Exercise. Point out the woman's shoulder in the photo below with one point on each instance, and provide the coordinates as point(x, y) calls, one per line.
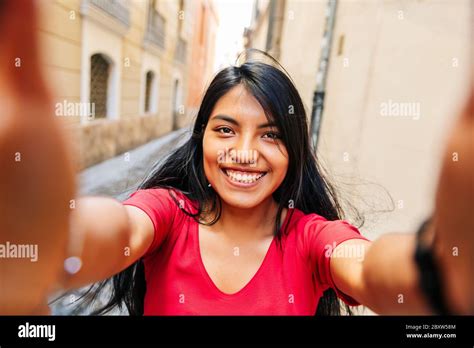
point(311, 223)
point(298, 218)
point(161, 199)
point(314, 234)
point(162, 193)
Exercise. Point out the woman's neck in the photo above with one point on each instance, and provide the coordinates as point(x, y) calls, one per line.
point(248, 224)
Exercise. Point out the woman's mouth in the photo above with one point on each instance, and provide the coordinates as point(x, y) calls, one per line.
point(243, 178)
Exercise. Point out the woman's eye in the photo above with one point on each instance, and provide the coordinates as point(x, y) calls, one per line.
point(272, 135)
point(224, 130)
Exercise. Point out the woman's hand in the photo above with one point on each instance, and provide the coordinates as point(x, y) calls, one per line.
point(36, 175)
point(387, 280)
point(454, 214)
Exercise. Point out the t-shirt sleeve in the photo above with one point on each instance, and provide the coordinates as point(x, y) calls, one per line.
point(160, 208)
point(320, 237)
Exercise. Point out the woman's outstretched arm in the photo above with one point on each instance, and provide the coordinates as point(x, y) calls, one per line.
point(386, 279)
point(37, 184)
point(108, 237)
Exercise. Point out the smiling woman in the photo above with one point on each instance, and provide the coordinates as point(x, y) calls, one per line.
point(245, 131)
point(237, 221)
point(240, 221)
point(237, 196)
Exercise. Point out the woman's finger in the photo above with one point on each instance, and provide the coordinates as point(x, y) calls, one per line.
point(20, 74)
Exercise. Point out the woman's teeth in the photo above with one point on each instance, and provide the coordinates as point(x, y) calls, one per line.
point(243, 177)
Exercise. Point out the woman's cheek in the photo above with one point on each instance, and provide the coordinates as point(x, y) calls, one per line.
point(276, 162)
point(212, 148)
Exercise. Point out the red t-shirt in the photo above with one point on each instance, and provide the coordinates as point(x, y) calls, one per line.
point(290, 280)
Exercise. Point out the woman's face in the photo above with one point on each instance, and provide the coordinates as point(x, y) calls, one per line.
point(245, 160)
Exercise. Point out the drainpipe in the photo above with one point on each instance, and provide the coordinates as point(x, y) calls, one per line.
point(321, 76)
point(271, 25)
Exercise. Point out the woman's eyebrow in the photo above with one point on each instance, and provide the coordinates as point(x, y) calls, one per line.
point(235, 122)
point(226, 118)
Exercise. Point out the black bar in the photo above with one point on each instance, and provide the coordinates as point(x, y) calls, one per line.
point(136, 331)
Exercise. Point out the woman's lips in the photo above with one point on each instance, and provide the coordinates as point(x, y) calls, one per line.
point(241, 178)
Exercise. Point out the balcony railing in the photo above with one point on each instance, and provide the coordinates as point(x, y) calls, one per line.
point(118, 9)
point(180, 53)
point(155, 32)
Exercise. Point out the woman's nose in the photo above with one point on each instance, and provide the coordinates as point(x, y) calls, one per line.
point(245, 151)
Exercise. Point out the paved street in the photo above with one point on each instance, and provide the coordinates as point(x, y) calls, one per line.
point(119, 176)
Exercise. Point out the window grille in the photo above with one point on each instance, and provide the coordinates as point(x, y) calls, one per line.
point(148, 90)
point(99, 84)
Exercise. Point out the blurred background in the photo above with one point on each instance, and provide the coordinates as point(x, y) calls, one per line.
point(382, 82)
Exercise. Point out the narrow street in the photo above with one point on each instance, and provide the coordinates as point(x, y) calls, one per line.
point(119, 176)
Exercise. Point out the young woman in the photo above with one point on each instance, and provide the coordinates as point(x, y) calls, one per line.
point(239, 220)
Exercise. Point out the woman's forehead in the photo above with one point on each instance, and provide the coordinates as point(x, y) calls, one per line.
point(238, 103)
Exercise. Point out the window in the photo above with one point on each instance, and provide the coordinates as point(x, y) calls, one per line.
point(99, 83)
point(149, 84)
point(155, 32)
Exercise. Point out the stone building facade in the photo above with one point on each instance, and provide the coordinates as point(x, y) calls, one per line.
point(120, 70)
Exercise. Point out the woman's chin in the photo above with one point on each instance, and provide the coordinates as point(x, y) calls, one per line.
point(241, 200)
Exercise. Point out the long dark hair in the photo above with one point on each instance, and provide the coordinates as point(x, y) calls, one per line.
point(304, 186)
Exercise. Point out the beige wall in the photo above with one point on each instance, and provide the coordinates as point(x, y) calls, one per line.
point(418, 55)
point(260, 26)
point(402, 60)
point(203, 50)
point(60, 34)
point(300, 44)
